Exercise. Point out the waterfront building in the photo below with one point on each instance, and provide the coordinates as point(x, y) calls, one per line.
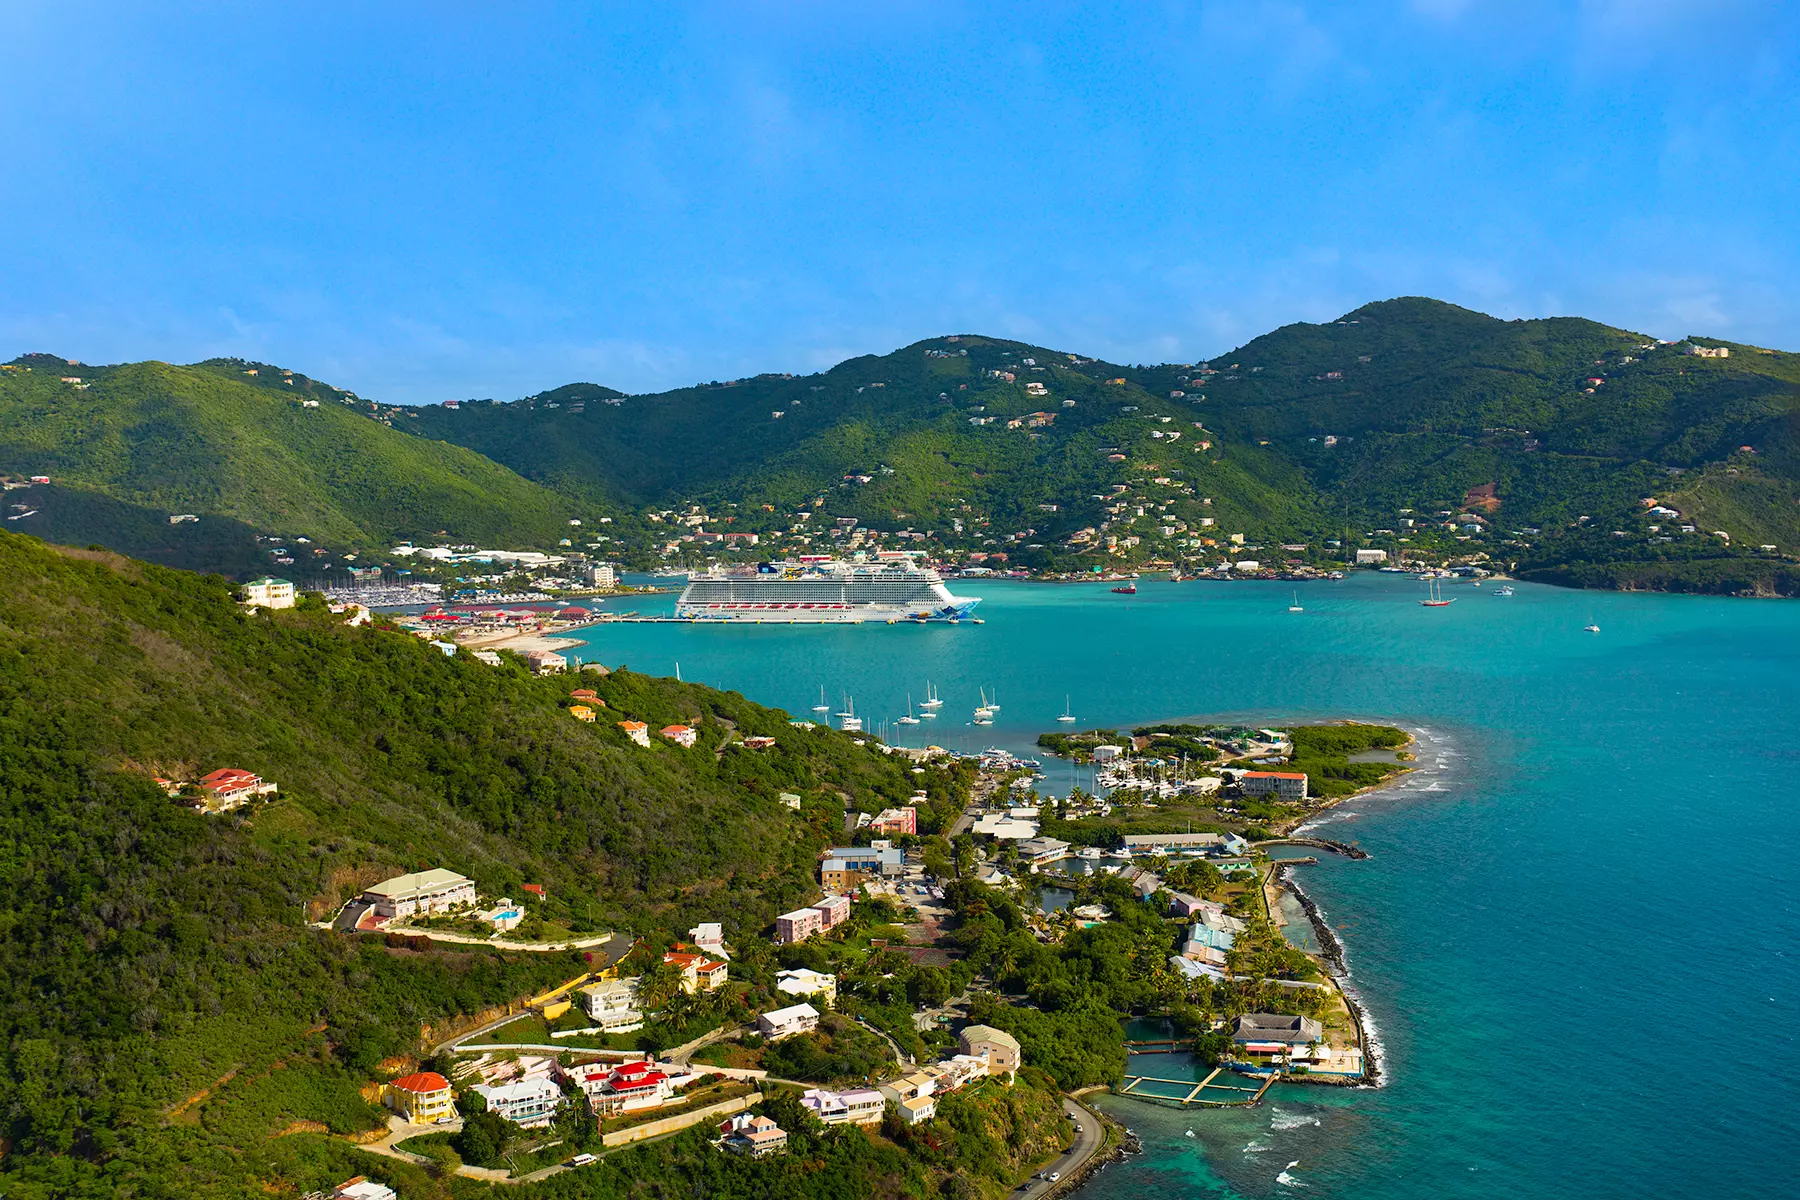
point(1268, 1028)
point(1287, 786)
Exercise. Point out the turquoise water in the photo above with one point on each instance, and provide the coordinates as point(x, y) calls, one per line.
point(1578, 935)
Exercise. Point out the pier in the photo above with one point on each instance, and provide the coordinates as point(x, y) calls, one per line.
point(1195, 1092)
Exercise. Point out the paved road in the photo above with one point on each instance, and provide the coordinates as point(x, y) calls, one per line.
point(1086, 1142)
point(900, 1056)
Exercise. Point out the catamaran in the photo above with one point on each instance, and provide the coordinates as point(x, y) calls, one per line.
point(931, 697)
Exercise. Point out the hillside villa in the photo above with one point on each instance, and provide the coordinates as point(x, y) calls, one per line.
point(785, 1022)
point(423, 1098)
point(803, 981)
point(529, 1103)
point(998, 1048)
point(613, 1005)
point(757, 1137)
point(436, 890)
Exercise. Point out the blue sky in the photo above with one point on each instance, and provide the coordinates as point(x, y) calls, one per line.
point(438, 200)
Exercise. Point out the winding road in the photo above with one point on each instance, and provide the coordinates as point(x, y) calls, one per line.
point(1087, 1141)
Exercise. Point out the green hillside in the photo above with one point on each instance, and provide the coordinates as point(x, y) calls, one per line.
point(1372, 430)
point(167, 1014)
point(218, 442)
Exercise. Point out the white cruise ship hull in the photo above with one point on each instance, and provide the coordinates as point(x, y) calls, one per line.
point(815, 600)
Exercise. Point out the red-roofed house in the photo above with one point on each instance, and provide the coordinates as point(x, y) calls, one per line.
point(230, 787)
point(1289, 786)
point(631, 1087)
point(423, 1098)
point(680, 734)
point(536, 889)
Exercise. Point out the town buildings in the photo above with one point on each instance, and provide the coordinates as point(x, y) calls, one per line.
point(896, 820)
point(436, 890)
point(802, 923)
point(423, 1098)
point(785, 1022)
point(996, 1046)
point(845, 867)
point(529, 1103)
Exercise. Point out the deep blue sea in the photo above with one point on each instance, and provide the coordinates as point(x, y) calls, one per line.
point(1578, 937)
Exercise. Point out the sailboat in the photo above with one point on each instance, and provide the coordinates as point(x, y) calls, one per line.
point(821, 706)
point(908, 719)
point(931, 697)
point(1066, 714)
point(1295, 606)
point(984, 713)
point(848, 721)
point(1590, 627)
point(1436, 599)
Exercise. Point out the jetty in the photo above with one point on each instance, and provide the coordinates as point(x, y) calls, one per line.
point(1235, 1095)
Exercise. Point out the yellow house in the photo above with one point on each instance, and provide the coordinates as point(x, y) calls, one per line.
point(423, 1098)
point(582, 712)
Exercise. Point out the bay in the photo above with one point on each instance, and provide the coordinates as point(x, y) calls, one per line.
point(1578, 934)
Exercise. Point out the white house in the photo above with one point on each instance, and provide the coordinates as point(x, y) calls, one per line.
point(613, 1005)
point(785, 1022)
point(529, 1103)
point(806, 982)
point(858, 1106)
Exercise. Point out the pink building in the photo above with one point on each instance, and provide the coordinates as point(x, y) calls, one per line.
point(798, 925)
point(896, 820)
point(831, 910)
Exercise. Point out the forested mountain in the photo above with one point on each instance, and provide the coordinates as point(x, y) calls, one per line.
point(248, 445)
point(1409, 425)
point(166, 1012)
point(1374, 429)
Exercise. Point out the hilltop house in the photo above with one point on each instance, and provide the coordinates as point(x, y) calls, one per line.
point(436, 890)
point(858, 1106)
point(423, 1098)
point(698, 972)
point(269, 592)
point(757, 1137)
point(229, 788)
point(785, 1022)
point(998, 1047)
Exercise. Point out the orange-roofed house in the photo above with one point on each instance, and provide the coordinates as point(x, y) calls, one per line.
point(683, 735)
point(698, 971)
point(587, 696)
point(1288, 786)
point(423, 1098)
point(230, 787)
point(637, 731)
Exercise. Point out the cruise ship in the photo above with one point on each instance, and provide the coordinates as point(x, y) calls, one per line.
point(821, 590)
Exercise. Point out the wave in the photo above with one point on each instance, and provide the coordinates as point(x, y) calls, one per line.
point(1287, 1180)
point(1255, 1147)
point(1287, 1120)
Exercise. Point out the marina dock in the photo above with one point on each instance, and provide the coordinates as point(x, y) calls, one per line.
point(1195, 1093)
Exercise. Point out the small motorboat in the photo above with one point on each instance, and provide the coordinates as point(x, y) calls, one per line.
point(1590, 628)
point(1129, 589)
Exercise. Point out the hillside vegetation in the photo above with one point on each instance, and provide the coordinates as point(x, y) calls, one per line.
point(165, 1009)
point(1551, 433)
point(217, 442)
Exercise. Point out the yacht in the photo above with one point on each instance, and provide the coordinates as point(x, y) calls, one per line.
point(1590, 628)
point(848, 721)
point(1067, 716)
point(1503, 590)
point(931, 697)
point(1436, 599)
point(821, 706)
point(908, 719)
